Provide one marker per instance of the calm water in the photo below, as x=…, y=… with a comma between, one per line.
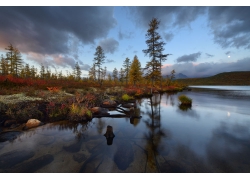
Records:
x=211, y=136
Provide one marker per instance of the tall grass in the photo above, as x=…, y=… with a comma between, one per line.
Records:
x=185, y=100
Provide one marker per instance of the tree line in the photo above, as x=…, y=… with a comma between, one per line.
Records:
x=131, y=72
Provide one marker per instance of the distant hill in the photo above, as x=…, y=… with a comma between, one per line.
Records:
x=180, y=76
x=226, y=78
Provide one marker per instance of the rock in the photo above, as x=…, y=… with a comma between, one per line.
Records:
x=9, y=135
x=78, y=157
x=9, y=159
x=172, y=167
x=31, y=123
x=33, y=165
x=73, y=148
x=124, y=155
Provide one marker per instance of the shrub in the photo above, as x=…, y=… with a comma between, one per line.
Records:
x=185, y=100
x=78, y=113
x=126, y=97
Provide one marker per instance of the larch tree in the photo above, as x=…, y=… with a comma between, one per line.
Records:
x=126, y=65
x=10, y=58
x=17, y=62
x=135, y=73
x=121, y=75
x=115, y=74
x=42, y=72
x=99, y=60
x=154, y=50
x=92, y=72
x=77, y=72
x=3, y=66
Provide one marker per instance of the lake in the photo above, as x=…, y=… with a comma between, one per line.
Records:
x=211, y=136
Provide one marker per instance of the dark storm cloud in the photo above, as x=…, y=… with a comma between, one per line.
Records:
x=230, y=26
x=207, y=69
x=109, y=45
x=48, y=30
x=168, y=36
x=176, y=16
x=187, y=58
x=209, y=55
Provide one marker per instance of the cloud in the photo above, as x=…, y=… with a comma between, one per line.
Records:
x=52, y=60
x=109, y=45
x=135, y=52
x=207, y=69
x=209, y=55
x=126, y=35
x=230, y=26
x=169, y=16
x=187, y=58
x=228, y=52
x=48, y=30
x=168, y=36
x=85, y=67
x=110, y=61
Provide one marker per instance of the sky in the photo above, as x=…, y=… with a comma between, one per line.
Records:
x=203, y=40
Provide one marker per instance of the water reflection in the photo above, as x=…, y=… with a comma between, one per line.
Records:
x=229, y=147
x=155, y=133
x=165, y=139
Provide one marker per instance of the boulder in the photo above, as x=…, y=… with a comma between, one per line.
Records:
x=31, y=123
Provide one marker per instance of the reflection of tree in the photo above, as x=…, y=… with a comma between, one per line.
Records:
x=170, y=97
x=79, y=129
x=100, y=125
x=153, y=122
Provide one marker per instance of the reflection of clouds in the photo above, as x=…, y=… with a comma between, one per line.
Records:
x=228, y=150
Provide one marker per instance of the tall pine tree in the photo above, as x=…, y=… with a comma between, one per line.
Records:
x=154, y=50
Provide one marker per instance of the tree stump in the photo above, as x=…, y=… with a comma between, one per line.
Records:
x=109, y=135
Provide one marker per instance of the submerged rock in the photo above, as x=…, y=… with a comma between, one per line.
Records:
x=79, y=157
x=9, y=135
x=172, y=167
x=32, y=166
x=10, y=159
x=124, y=155
x=75, y=147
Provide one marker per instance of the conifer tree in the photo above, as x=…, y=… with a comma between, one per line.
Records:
x=154, y=50
x=135, y=73
x=126, y=65
x=3, y=66
x=17, y=62
x=77, y=72
x=99, y=60
x=115, y=74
